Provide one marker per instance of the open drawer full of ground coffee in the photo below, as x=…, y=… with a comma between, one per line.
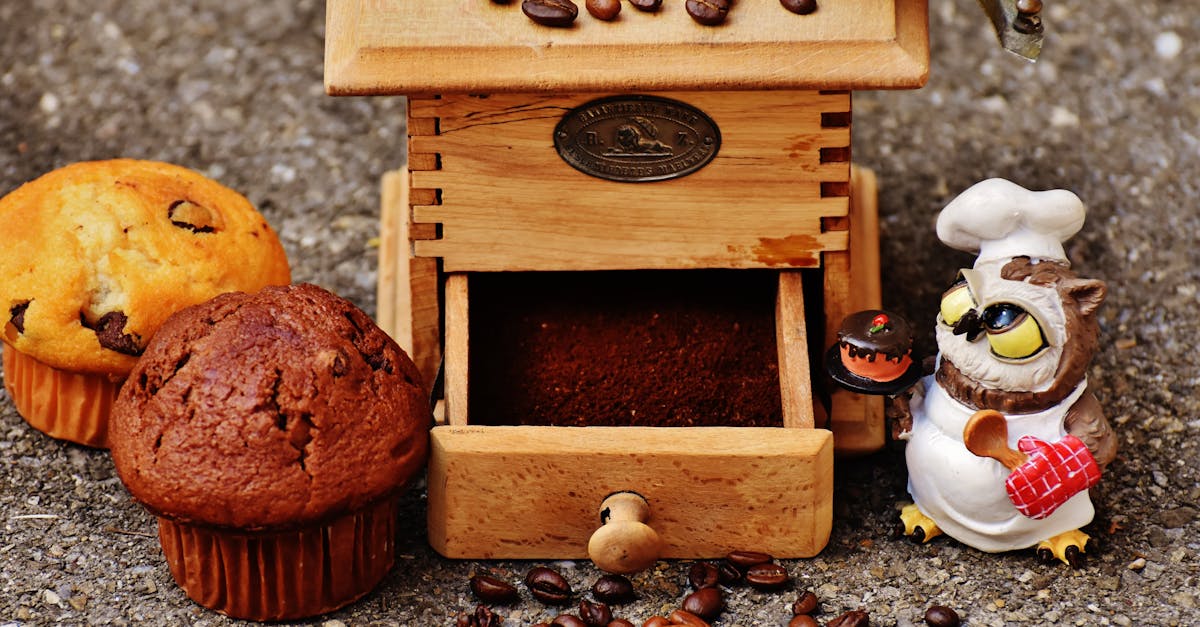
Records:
x=621, y=244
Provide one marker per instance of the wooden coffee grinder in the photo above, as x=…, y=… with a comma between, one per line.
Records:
x=647, y=169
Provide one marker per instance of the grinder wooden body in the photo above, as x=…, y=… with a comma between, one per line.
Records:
x=489, y=188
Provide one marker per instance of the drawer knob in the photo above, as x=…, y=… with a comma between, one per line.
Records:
x=624, y=543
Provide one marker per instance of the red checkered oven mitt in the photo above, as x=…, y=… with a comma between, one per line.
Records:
x=1051, y=476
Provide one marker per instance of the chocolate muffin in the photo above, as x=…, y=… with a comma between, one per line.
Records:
x=271, y=434
x=96, y=255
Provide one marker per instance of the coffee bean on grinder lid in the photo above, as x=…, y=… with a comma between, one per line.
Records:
x=708, y=12
x=557, y=13
x=799, y=7
x=606, y=10
x=646, y=5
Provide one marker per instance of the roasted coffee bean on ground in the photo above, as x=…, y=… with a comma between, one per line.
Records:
x=853, y=618
x=703, y=575
x=613, y=589
x=806, y=604
x=595, y=614
x=769, y=576
x=483, y=617
x=493, y=591
x=684, y=617
x=568, y=620
x=745, y=559
x=557, y=13
x=942, y=616
x=728, y=574
x=548, y=586
x=706, y=603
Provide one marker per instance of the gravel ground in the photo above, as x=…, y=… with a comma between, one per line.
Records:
x=233, y=89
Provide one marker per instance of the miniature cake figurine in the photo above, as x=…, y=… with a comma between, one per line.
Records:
x=1005, y=438
x=873, y=354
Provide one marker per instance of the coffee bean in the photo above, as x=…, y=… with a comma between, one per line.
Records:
x=941, y=616
x=853, y=618
x=745, y=559
x=17, y=314
x=803, y=620
x=613, y=589
x=595, y=614
x=800, y=7
x=646, y=5
x=606, y=10
x=706, y=603
x=767, y=576
x=703, y=575
x=806, y=604
x=568, y=620
x=548, y=586
x=485, y=617
x=728, y=573
x=550, y=12
x=620, y=622
x=493, y=591
x=684, y=617
x=708, y=12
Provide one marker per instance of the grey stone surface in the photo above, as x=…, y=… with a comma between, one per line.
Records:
x=233, y=89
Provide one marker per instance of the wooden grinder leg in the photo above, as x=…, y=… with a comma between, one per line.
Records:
x=624, y=543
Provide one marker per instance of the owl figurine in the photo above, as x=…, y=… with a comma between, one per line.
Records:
x=1015, y=335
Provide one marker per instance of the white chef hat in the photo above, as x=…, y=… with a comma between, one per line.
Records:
x=999, y=220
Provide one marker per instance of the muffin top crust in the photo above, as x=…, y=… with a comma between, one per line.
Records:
x=269, y=410
x=98, y=254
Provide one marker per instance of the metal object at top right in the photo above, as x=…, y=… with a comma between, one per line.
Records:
x=1018, y=25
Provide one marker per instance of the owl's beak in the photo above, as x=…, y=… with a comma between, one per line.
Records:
x=970, y=324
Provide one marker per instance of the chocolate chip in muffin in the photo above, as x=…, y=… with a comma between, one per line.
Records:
x=18, y=315
x=186, y=214
x=110, y=332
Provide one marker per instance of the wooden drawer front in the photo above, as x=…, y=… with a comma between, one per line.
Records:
x=535, y=492
x=490, y=193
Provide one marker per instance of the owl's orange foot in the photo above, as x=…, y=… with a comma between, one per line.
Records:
x=1068, y=548
x=917, y=526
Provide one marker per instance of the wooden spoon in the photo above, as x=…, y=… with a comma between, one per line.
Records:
x=986, y=435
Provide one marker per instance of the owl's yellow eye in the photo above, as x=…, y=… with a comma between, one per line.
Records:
x=1012, y=333
x=956, y=301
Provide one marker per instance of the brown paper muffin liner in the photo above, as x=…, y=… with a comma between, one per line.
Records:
x=65, y=405
x=283, y=575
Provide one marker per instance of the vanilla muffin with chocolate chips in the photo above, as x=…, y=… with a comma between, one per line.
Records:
x=275, y=431
x=96, y=256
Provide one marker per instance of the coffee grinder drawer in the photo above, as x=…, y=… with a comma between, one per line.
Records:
x=533, y=492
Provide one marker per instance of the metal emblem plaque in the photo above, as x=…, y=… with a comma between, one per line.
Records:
x=637, y=139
